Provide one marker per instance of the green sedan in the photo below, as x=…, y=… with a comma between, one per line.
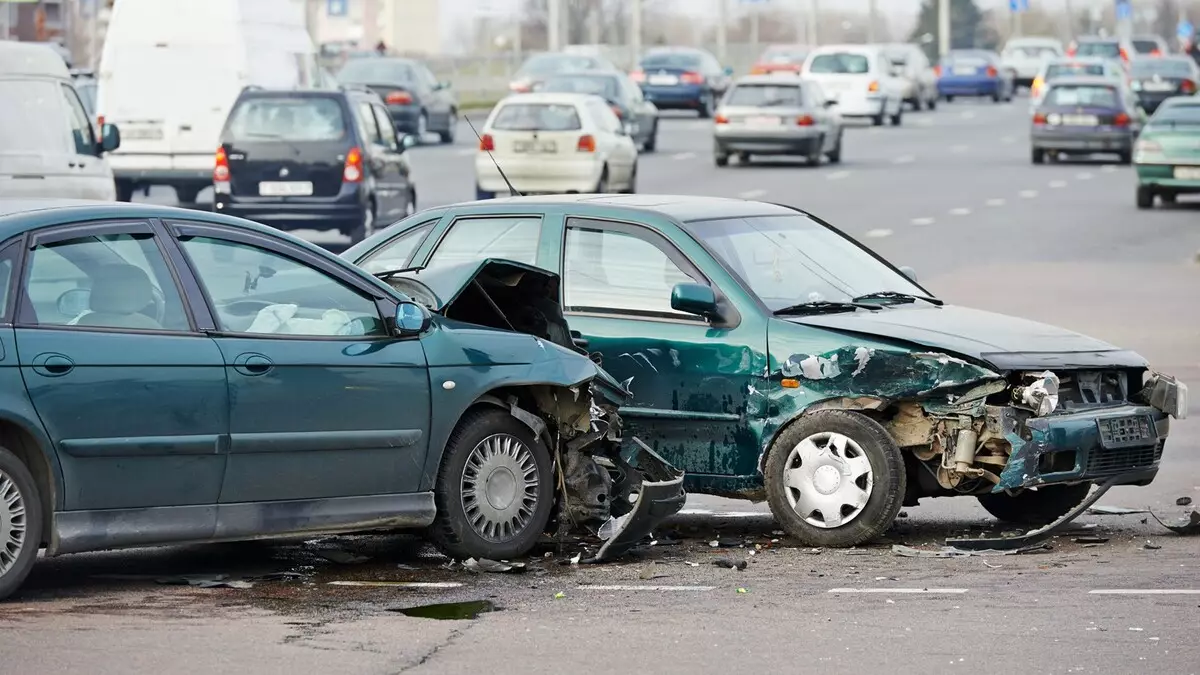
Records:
x=1167, y=155
x=770, y=356
x=172, y=376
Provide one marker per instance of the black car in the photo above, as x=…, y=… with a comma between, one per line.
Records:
x=417, y=101
x=1155, y=80
x=313, y=160
x=639, y=116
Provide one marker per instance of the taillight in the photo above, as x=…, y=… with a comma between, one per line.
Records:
x=1036, y=86
x=352, y=172
x=721, y=119
x=692, y=78
x=221, y=167
x=1072, y=49
x=487, y=143
x=758, y=70
x=1188, y=87
x=618, y=112
x=992, y=72
x=637, y=76
x=1155, y=53
x=874, y=86
x=1121, y=120
x=1039, y=118
x=805, y=121
x=521, y=86
x=399, y=98
x=937, y=71
x=1124, y=54
x=587, y=143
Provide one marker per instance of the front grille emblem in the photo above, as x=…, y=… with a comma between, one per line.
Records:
x=283, y=173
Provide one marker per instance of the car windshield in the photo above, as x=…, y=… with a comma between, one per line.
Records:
x=537, y=117
x=765, y=95
x=87, y=95
x=1106, y=49
x=686, y=60
x=600, y=85
x=840, y=63
x=32, y=119
x=376, y=71
x=1031, y=51
x=1177, y=113
x=1164, y=67
x=548, y=64
x=1146, y=46
x=292, y=119
x=1068, y=69
x=791, y=259
x=784, y=55
x=1090, y=95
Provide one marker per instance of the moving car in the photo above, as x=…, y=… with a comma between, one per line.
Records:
x=1155, y=80
x=920, y=82
x=1084, y=115
x=1149, y=45
x=781, y=59
x=554, y=143
x=974, y=72
x=539, y=66
x=313, y=160
x=861, y=79
x=772, y=356
x=417, y=101
x=281, y=391
x=169, y=72
x=48, y=145
x=1167, y=154
x=1088, y=66
x=1025, y=57
x=639, y=116
x=682, y=77
x=776, y=115
x=1103, y=47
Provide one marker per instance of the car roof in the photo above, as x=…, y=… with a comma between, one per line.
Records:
x=1034, y=40
x=771, y=78
x=1097, y=38
x=851, y=48
x=564, y=97
x=683, y=208
x=1075, y=80
x=26, y=59
x=1089, y=60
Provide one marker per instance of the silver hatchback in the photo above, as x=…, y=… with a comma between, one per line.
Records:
x=776, y=115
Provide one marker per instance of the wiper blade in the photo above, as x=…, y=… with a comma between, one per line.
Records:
x=823, y=307
x=904, y=298
x=387, y=274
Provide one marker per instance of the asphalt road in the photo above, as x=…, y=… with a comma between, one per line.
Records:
x=951, y=193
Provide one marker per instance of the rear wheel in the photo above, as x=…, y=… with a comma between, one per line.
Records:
x=720, y=159
x=932, y=103
x=602, y=184
x=447, y=136
x=422, y=127
x=878, y=120
x=1039, y=506
x=706, y=106
x=814, y=152
x=1038, y=156
x=651, y=140
x=949, y=98
x=186, y=195
x=835, y=155
x=363, y=230
x=124, y=190
x=1145, y=197
x=744, y=158
x=898, y=117
x=1125, y=158
x=410, y=206
x=20, y=522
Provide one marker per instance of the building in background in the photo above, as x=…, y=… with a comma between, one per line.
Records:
x=407, y=26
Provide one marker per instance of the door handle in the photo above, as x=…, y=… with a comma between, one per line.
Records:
x=579, y=340
x=51, y=364
x=252, y=364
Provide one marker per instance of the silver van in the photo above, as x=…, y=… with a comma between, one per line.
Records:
x=48, y=144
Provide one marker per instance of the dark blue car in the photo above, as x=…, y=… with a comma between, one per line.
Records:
x=682, y=78
x=974, y=72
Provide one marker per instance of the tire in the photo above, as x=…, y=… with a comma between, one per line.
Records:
x=1125, y=158
x=1038, y=156
x=814, y=153
x=1145, y=197
x=835, y=155
x=706, y=106
x=877, y=121
x=452, y=531
x=651, y=143
x=1035, y=507
x=481, y=194
x=410, y=207
x=124, y=190
x=949, y=98
x=720, y=160
x=186, y=195
x=887, y=474
x=16, y=562
x=602, y=185
x=744, y=158
x=996, y=97
x=932, y=104
x=898, y=118
x=422, y=127
x=447, y=136
x=364, y=228
x=632, y=189
x=915, y=103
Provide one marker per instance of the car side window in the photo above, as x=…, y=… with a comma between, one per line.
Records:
x=81, y=125
x=367, y=123
x=609, y=270
x=469, y=239
x=386, y=127
x=256, y=291
x=103, y=281
x=395, y=254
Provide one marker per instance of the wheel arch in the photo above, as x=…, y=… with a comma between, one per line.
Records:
x=34, y=450
x=870, y=406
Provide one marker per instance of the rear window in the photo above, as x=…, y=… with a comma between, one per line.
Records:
x=605, y=87
x=546, y=64
x=1166, y=67
x=1092, y=96
x=1146, y=46
x=376, y=71
x=1069, y=69
x=1105, y=49
x=537, y=117
x=1178, y=113
x=842, y=64
x=967, y=61
x=292, y=119
x=1031, y=51
x=32, y=118
x=765, y=95
x=671, y=60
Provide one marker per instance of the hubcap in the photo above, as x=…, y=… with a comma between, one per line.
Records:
x=828, y=480
x=500, y=487
x=12, y=523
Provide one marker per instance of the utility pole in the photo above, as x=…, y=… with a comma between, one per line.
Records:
x=943, y=27
x=1017, y=28
x=872, y=17
x=554, y=25
x=635, y=31
x=755, y=14
x=814, y=22
x=722, y=35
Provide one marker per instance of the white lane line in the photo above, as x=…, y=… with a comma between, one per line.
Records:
x=1108, y=168
x=1145, y=591
x=1028, y=194
x=837, y=175
x=924, y=122
x=968, y=114
x=900, y=590
x=960, y=212
x=1083, y=176
x=399, y=584
x=1058, y=184
x=904, y=159
x=465, y=152
x=589, y=587
x=995, y=202
x=722, y=514
x=922, y=221
x=683, y=156
x=752, y=194
x=959, y=148
x=1008, y=140
x=878, y=234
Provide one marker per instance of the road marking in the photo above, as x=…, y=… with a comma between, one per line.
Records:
x=399, y=584
x=922, y=221
x=1108, y=168
x=588, y=587
x=465, y=152
x=1083, y=176
x=924, y=122
x=1029, y=194
x=968, y=114
x=879, y=234
x=995, y=202
x=960, y=212
x=1145, y=591
x=1008, y=140
x=837, y=175
x=1058, y=183
x=722, y=514
x=959, y=148
x=683, y=155
x=904, y=159
x=900, y=590
x=752, y=194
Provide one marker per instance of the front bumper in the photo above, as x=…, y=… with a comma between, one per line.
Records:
x=968, y=88
x=538, y=176
x=675, y=97
x=764, y=144
x=1084, y=140
x=1163, y=175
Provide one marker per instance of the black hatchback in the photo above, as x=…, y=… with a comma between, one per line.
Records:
x=313, y=160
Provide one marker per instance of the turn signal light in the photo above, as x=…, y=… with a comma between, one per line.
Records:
x=1122, y=120
x=399, y=98
x=1036, y=86
x=221, y=168
x=992, y=72
x=805, y=121
x=874, y=86
x=487, y=143
x=352, y=172
x=721, y=119
x=1124, y=54
x=1188, y=87
x=587, y=143
x=1039, y=118
x=758, y=70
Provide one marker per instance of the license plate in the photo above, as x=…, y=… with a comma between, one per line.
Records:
x=1121, y=432
x=1187, y=172
x=285, y=189
x=535, y=146
x=762, y=121
x=966, y=71
x=664, y=80
x=1081, y=120
x=142, y=133
x=1158, y=86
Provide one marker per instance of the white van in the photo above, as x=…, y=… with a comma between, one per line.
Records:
x=48, y=147
x=861, y=79
x=171, y=69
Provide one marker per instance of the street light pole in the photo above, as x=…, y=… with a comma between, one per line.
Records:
x=872, y=16
x=722, y=36
x=943, y=27
x=635, y=31
x=814, y=20
x=553, y=25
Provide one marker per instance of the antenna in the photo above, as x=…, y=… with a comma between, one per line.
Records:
x=512, y=191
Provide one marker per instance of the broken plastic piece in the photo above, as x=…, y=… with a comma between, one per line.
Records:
x=660, y=496
x=342, y=557
x=1040, y=396
x=449, y=610
x=1114, y=511
x=1185, y=527
x=1183, y=501
x=485, y=565
x=729, y=564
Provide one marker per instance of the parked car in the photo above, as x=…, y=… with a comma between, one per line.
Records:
x=1025, y=57
x=920, y=81
x=639, y=116
x=1149, y=46
x=861, y=79
x=782, y=58
x=1155, y=80
x=974, y=72
x=249, y=384
x=777, y=115
x=418, y=103
x=554, y=143
x=1167, y=154
x=773, y=356
x=314, y=160
x=1075, y=66
x=48, y=144
x=539, y=66
x=1084, y=115
x=682, y=77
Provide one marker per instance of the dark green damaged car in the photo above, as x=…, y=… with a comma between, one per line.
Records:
x=771, y=356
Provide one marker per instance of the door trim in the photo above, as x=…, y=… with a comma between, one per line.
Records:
x=322, y=441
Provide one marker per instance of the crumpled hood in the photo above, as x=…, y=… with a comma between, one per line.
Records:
x=1003, y=342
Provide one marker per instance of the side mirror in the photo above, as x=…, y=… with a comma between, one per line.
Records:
x=695, y=299
x=110, y=138
x=910, y=273
x=445, y=85
x=729, y=71
x=411, y=319
x=831, y=102
x=407, y=141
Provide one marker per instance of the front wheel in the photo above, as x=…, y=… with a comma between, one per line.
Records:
x=877, y=120
x=706, y=106
x=834, y=478
x=932, y=103
x=495, y=489
x=835, y=155
x=1145, y=197
x=1038, y=506
x=720, y=159
x=898, y=117
x=447, y=136
x=1038, y=156
x=652, y=140
x=20, y=523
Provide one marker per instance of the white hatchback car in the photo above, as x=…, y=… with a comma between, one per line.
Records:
x=554, y=144
x=861, y=79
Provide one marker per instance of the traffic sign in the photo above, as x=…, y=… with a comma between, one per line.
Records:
x=337, y=7
x=1124, y=10
x=1018, y=5
x=1185, y=29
